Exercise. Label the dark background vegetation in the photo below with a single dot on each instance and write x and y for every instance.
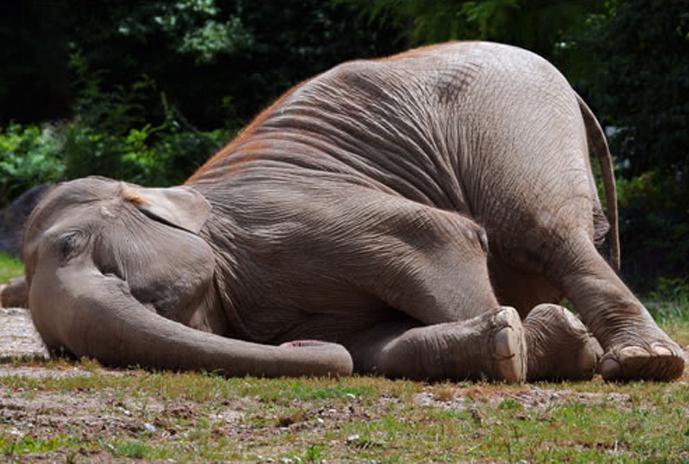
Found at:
(146, 91)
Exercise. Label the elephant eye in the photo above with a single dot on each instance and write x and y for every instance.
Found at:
(68, 245)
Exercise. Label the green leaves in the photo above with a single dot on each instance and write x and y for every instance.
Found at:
(536, 25)
(28, 156)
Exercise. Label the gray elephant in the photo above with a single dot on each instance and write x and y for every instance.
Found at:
(387, 216)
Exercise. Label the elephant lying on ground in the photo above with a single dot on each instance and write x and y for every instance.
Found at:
(385, 208)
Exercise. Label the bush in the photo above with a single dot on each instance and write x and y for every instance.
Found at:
(161, 156)
(109, 136)
(148, 155)
(29, 155)
(654, 227)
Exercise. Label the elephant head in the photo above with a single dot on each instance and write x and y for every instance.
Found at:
(115, 271)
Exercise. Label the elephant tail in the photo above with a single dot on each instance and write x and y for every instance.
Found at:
(599, 146)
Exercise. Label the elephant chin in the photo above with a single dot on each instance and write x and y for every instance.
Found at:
(90, 314)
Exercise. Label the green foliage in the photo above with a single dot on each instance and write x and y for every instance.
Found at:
(670, 299)
(537, 25)
(28, 156)
(654, 226)
(17, 446)
(638, 81)
(200, 53)
(191, 25)
(152, 89)
(147, 156)
(109, 136)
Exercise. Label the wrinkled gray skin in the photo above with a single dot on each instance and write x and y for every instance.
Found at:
(386, 207)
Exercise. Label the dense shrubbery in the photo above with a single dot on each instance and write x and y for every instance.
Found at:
(31, 155)
(109, 136)
(147, 91)
(147, 155)
(638, 81)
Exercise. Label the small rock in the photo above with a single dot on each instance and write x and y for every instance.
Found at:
(353, 438)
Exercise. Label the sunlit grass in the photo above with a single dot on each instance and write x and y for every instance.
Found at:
(9, 268)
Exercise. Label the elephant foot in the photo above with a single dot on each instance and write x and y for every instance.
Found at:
(559, 345)
(659, 360)
(509, 346)
(490, 346)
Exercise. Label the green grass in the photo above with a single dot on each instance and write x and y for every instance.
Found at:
(204, 417)
(15, 446)
(384, 421)
(9, 268)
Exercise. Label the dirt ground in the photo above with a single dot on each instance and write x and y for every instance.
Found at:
(18, 337)
(92, 415)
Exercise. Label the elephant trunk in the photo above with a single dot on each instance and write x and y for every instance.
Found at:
(100, 318)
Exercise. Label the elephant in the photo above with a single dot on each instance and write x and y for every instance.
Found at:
(417, 216)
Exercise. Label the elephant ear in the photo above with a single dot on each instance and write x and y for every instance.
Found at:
(181, 207)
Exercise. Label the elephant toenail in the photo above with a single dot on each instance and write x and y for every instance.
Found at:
(633, 352)
(610, 368)
(505, 343)
(662, 351)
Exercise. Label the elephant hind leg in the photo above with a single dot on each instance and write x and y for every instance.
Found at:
(635, 347)
(559, 345)
(491, 345)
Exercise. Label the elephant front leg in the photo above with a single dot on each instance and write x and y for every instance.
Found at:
(491, 345)
(559, 345)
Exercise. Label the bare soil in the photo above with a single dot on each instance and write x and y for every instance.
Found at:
(18, 336)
